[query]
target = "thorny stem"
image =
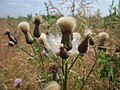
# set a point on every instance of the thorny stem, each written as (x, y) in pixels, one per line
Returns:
(65, 75)
(36, 55)
(38, 59)
(40, 55)
(73, 62)
(92, 69)
(25, 51)
(66, 70)
(83, 67)
(63, 66)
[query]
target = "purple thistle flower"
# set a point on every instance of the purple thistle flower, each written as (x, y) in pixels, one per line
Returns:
(44, 53)
(18, 82)
(54, 69)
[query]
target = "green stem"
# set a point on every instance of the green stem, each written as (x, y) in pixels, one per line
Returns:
(40, 54)
(83, 68)
(63, 66)
(92, 69)
(73, 62)
(25, 51)
(66, 76)
(36, 55)
(88, 75)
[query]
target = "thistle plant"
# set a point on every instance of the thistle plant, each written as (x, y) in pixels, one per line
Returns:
(18, 82)
(52, 85)
(12, 40)
(66, 25)
(54, 70)
(103, 36)
(24, 27)
(42, 44)
(37, 21)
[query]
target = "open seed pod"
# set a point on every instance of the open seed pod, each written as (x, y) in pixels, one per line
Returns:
(11, 37)
(10, 43)
(42, 39)
(37, 21)
(66, 25)
(103, 36)
(52, 85)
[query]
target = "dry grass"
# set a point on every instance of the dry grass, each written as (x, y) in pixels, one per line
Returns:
(14, 63)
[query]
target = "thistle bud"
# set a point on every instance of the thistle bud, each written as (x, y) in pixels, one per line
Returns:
(37, 21)
(10, 43)
(66, 25)
(52, 85)
(63, 53)
(117, 49)
(24, 27)
(83, 47)
(11, 37)
(103, 36)
(7, 32)
(91, 41)
(54, 69)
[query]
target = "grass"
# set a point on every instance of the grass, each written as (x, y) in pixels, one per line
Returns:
(15, 63)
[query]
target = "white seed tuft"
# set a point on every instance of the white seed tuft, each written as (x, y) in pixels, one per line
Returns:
(66, 23)
(52, 86)
(24, 27)
(88, 32)
(103, 35)
(42, 38)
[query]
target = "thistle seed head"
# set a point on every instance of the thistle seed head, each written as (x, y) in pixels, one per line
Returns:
(52, 85)
(7, 32)
(37, 20)
(66, 24)
(42, 38)
(88, 32)
(24, 27)
(103, 36)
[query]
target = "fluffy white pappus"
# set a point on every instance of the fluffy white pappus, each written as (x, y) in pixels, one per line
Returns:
(88, 32)
(38, 19)
(103, 35)
(52, 85)
(42, 38)
(24, 27)
(54, 42)
(75, 43)
(66, 23)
